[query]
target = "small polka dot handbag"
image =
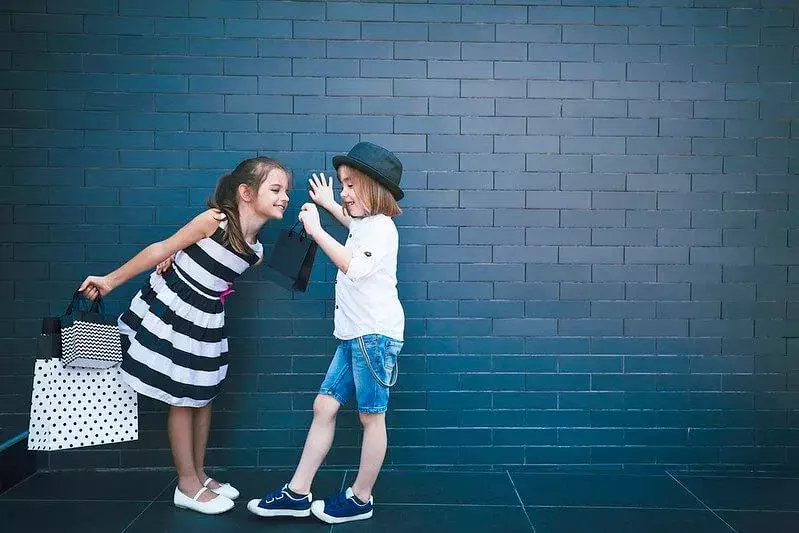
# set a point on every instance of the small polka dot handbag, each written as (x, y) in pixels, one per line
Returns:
(76, 407)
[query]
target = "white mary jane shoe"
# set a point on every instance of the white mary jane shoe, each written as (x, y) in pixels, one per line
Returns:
(218, 505)
(224, 489)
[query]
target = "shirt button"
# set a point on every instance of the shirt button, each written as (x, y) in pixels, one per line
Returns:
(350, 234)
(336, 307)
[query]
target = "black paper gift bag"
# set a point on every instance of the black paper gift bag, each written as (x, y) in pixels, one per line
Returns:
(292, 258)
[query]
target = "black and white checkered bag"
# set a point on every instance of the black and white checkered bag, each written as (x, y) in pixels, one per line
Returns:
(88, 338)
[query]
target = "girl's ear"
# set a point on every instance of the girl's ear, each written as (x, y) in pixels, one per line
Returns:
(245, 193)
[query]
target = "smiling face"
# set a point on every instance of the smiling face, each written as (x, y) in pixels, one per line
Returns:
(350, 199)
(273, 198)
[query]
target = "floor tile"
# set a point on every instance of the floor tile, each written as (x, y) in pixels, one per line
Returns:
(486, 488)
(440, 519)
(255, 483)
(745, 493)
(163, 517)
(602, 490)
(594, 520)
(762, 521)
(59, 517)
(125, 485)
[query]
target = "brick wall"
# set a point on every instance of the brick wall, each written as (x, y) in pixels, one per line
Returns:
(599, 246)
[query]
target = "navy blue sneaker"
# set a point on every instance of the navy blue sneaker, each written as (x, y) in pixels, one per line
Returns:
(342, 508)
(280, 503)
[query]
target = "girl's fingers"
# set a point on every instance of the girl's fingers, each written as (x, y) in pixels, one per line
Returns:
(319, 180)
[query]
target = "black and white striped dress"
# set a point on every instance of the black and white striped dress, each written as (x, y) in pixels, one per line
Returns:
(174, 344)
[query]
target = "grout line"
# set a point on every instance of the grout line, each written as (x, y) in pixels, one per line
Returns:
(680, 483)
(480, 505)
(743, 475)
(343, 482)
(466, 505)
(174, 478)
(16, 486)
(524, 509)
(64, 500)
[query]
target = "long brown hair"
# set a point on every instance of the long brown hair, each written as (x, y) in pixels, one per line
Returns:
(375, 197)
(252, 173)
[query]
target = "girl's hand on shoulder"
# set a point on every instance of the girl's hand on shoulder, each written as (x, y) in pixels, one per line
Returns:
(321, 191)
(165, 265)
(95, 286)
(309, 216)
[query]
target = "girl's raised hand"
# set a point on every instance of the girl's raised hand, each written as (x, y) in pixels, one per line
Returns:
(309, 215)
(95, 286)
(321, 191)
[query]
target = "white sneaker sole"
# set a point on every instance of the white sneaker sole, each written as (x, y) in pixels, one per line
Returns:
(252, 506)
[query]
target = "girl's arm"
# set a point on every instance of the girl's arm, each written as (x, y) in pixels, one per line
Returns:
(322, 193)
(203, 225)
(341, 257)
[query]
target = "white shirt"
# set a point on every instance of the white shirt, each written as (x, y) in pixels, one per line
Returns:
(366, 296)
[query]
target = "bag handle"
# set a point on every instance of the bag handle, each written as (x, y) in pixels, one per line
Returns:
(302, 233)
(394, 373)
(77, 300)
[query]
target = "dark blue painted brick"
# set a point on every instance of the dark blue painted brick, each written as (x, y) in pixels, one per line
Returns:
(598, 209)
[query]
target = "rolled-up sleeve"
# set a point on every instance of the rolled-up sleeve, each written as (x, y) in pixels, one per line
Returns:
(372, 249)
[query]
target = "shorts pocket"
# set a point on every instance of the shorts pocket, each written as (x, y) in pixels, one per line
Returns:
(380, 354)
(390, 353)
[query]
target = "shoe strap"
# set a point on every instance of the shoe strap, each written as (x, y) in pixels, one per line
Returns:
(199, 492)
(208, 482)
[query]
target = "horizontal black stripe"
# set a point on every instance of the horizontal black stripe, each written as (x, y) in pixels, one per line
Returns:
(196, 286)
(166, 384)
(189, 295)
(179, 357)
(180, 324)
(209, 264)
(219, 236)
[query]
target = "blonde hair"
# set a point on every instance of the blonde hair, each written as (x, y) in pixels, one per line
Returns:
(376, 198)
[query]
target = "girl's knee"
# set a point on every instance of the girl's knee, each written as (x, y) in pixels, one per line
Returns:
(325, 406)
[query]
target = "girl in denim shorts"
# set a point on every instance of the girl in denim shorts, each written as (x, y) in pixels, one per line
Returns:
(369, 323)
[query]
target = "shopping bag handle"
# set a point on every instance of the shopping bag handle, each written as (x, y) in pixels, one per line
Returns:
(77, 299)
(302, 233)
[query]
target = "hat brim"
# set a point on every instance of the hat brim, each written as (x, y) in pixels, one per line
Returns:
(373, 173)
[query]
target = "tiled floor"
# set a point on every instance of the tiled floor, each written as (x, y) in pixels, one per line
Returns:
(418, 502)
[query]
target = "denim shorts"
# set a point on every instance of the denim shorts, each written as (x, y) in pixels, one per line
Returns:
(350, 372)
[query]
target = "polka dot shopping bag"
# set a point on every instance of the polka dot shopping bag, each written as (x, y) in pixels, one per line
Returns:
(75, 407)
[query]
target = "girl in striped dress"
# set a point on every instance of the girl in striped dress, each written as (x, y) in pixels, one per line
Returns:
(173, 334)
